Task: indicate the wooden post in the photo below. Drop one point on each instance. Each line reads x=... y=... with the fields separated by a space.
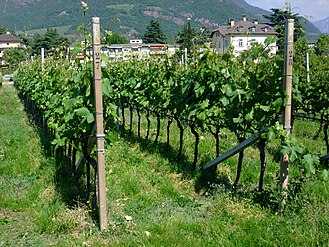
x=42 y=57
x=308 y=81
x=185 y=58
x=287 y=86
x=99 y=124
x=308 y=67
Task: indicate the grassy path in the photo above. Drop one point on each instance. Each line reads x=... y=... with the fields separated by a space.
x=150 y=203
x=32 y=212
x=20 y=160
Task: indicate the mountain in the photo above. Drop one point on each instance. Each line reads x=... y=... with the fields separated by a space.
x=258 y=12
x=323 y=25
x=312 y=32
x=130 y=17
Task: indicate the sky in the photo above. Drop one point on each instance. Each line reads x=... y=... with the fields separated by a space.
x=313 y=10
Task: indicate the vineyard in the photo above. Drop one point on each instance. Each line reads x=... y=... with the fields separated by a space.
x=212 y=94
x=174 y=108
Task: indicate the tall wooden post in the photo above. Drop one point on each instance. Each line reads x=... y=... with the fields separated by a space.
x=287 y=86
x=185 y=58
x=99 y=124
x=308 y=81
x=42 y=57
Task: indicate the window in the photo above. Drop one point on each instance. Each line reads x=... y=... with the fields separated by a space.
x=240 y=29
x=7 y=43
x=218 y=44
x=226 y=43
x=240 y=42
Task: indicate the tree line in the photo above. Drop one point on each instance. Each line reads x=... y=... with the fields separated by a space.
x=188 y=37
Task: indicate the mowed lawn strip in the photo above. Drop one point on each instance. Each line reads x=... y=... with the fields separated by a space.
x=32 y=212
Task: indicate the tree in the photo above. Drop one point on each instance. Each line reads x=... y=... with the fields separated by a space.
x=14 y=56
x=202 y=37
x=322 y=45
x=278 y=18
x=154 y=33
x=114 y=38
x=50 y=40
x=185 y=38
x=2 y=30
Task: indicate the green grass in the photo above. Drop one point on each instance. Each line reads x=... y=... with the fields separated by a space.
x=169 y=205
x=61 y=30
x=126 y=7
x=32 y=212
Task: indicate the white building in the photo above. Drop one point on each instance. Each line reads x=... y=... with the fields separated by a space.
x=139 y=50
x=136 y=49
x=241 y=35
x=8 y=41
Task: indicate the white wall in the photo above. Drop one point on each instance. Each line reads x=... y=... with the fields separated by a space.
x=240 y=43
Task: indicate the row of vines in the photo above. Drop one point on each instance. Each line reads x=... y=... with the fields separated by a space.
x=240 y=94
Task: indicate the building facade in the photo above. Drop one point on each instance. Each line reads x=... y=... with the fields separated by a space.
x=136 y=49
x=139 y=50
x=241 y=35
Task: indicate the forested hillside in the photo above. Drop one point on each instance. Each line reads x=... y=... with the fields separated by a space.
x=129 y=17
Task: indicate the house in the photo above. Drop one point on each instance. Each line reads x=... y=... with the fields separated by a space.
x=8 y=41
x=241 y=35
x=138 y=50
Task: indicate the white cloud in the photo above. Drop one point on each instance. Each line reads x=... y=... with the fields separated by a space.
x=311 y=9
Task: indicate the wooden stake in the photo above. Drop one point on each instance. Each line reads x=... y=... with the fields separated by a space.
x=42 y=57
x=287 y=86
x=308 y=81
x=99 y=124
x=185 y=58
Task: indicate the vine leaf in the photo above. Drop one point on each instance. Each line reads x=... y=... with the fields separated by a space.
x=106 y=87
x=310 y=161
x=84 y=112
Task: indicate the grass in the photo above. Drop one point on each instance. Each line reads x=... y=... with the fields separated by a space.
x=167 y=204
x=61 y=30
x=32 y=211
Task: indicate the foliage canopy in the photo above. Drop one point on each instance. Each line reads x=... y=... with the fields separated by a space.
x=14 y=56
x=50 y=41
x=114 y=38
x=278 y=18
x=154 y=33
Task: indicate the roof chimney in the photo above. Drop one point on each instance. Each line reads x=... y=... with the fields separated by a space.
x=244 y=18
x=231 y=22
x=256 y=22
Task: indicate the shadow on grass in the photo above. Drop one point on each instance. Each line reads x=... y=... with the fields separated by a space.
x=71 y=190
x=206 y=181
x=267 y=198
x=181 y=165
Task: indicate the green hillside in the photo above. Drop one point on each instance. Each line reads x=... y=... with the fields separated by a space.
x=129 y=17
